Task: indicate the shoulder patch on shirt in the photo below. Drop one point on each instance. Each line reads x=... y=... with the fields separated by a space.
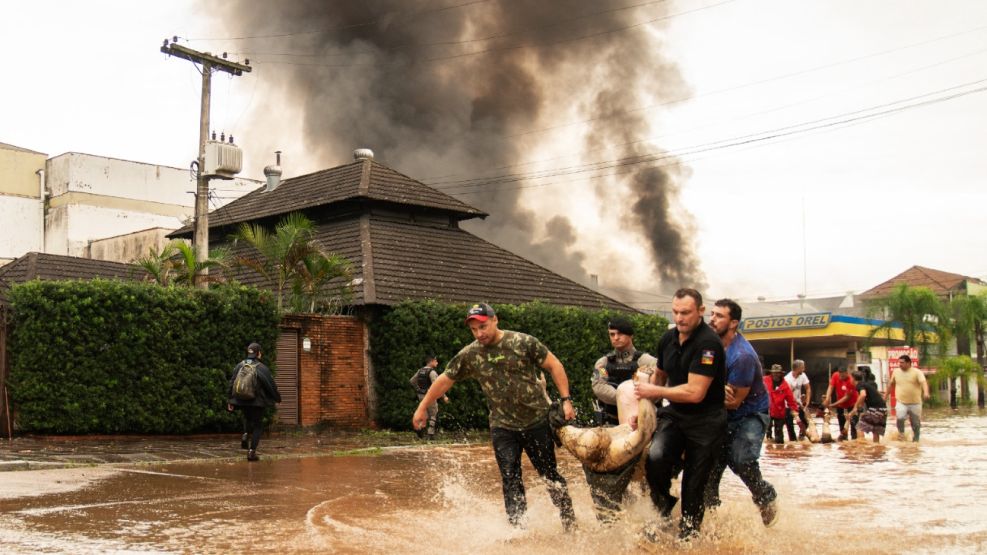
x=708 y=356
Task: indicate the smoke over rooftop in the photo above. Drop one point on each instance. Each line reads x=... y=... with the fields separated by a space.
x=451 y=91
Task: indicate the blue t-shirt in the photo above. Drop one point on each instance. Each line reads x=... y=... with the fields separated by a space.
x=744 y=370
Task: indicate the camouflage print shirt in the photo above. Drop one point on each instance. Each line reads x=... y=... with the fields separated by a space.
x=511 y=377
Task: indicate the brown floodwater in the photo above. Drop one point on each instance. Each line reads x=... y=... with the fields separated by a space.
x=851 y=497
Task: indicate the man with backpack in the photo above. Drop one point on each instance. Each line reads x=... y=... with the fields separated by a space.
x=252 y=389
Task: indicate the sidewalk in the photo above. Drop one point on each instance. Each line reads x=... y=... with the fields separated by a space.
x=39 y=452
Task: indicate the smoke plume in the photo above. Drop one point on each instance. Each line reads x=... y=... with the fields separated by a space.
x=446 y=91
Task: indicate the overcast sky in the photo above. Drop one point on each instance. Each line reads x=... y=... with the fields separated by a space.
x=876 y=163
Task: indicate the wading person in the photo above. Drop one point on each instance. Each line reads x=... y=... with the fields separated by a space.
x=801 y=388
x=747 y=414
x=508 y=365
x=909 y=387
x=421 y=380
x=692 y=363
x=842 y=395
x=871 y=408
x=251 y=390
x=610 y=371
x=781 y=403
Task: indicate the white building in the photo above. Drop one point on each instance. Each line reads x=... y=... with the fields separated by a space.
x=94 y=206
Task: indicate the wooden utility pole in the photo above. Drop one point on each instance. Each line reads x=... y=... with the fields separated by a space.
x=209 y=64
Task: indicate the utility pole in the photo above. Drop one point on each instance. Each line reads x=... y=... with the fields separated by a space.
x=209 y=64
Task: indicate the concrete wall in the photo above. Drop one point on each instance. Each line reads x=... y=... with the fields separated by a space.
x=20 y=201
x=127 y=248
x=334 y=377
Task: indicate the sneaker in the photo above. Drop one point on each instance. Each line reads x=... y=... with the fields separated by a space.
x=769 y=513
x=243 y=441
x=252 y=455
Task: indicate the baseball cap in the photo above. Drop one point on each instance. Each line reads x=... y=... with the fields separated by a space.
x=253 y=349
x=481 y=312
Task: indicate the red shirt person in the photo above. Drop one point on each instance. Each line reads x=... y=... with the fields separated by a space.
x=842 y=395
x=780 y=400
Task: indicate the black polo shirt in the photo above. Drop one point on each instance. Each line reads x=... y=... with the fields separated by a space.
x=702 y=353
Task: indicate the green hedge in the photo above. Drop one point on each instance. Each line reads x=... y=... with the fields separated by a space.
x=108 y=356
x=403 y=334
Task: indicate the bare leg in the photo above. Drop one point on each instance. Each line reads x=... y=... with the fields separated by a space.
x=627 y=404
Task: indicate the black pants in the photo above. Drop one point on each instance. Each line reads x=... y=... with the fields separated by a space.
x=607 y=489
x=537 y=443
x=778 y=424
x=253 y=424
x=841 y=418
x=790 y=423
x=699 y=437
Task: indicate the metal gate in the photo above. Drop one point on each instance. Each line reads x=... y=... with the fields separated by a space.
x=287 y=376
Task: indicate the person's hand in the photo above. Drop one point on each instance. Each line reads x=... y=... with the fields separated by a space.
x=925 y=396
x=229 y=407
x=445 y=399
x=420 y=418
x=568 y=410
x=728 y=389
x=646 y=391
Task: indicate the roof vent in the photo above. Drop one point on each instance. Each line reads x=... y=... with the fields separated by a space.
x=363 y=154
x=273 y=174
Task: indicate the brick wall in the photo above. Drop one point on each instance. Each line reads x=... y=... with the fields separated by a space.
x=334 y=380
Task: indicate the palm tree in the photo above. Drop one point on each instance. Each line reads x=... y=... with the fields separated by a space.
x=312 y=287
x=280 y=257
x=969 y=313
x=920 y=313
x=176 y=264
x=951 y=369
x=158 y=264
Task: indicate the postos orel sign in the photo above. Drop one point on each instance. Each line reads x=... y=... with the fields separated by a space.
x=786 y=322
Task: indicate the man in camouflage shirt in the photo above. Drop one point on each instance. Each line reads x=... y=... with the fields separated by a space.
x=509 y=366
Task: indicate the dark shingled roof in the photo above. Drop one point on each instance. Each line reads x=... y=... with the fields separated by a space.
x=362 y=179
x=940 y=282
x=39 y=265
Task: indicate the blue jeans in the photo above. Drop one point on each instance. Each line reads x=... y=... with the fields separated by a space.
x=741 y=452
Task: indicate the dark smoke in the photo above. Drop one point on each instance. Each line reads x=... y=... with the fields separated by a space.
x=371 y=78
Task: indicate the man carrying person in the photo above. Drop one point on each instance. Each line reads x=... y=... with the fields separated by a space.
x=691 y=361
x=909 y=388
x=421 y=380
x=842 y=394
x=620 y=365
x=747 y=407
x=801 y=388
x=508 y=365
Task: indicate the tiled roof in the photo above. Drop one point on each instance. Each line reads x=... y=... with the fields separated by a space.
x=37 y=265
x=362 y=179
x=941 y=283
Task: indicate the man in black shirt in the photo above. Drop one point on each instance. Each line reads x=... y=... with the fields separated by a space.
x=692 y=369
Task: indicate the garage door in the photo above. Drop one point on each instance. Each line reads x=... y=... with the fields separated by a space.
x=287 y=376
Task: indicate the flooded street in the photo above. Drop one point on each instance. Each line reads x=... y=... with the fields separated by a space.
x=835 y=498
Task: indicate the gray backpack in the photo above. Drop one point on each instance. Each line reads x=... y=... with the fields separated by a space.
x=245 y=383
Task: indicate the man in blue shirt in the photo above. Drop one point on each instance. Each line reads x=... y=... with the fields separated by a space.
x=747 y=414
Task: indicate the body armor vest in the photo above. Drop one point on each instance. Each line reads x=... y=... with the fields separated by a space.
x=424 y=381
x=618 y=373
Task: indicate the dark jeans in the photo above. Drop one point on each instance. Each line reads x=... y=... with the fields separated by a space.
x=741 y=452
x=253 y=423
x=607 y=489
x=538 y=444
x=699 y=437
x=841 y=418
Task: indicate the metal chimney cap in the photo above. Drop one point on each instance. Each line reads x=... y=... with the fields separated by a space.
x=363 y=154
x=272 y=170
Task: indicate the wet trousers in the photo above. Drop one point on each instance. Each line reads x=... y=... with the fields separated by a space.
x=253 y=424
x=741 y=451
x=913 y=412
x=697 y=437
x=841 y=418
x=537 y=443
x=790 y=424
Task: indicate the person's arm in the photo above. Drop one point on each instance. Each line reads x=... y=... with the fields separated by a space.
x=557 y=371
x=439 y=387
x=432 y=376
x=693 y=391
x=829 y=395
x=790 y=397
x=735 y=396
x=808 y=393
x=414 y=380
x=890 y=391
x=925 y=385
x=602 y=389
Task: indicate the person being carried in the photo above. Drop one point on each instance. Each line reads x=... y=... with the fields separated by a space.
x=252 y=392
x=694 y=424
x=747 y=414
x=612 y=372
x=909 y=387
x=421 y=380
x=782 y=401
x=873 y=418
x=508 y=365
x=798 y=381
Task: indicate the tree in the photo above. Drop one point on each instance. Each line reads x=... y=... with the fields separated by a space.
x=951 y=369
x=291 y=256
x=176 y=264
x=920 y=313
x=969 y=312
x=321 y=284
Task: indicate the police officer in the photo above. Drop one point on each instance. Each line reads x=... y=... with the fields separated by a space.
x=421 y=381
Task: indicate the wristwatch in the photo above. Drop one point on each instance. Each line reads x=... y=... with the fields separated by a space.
x=566 y=398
